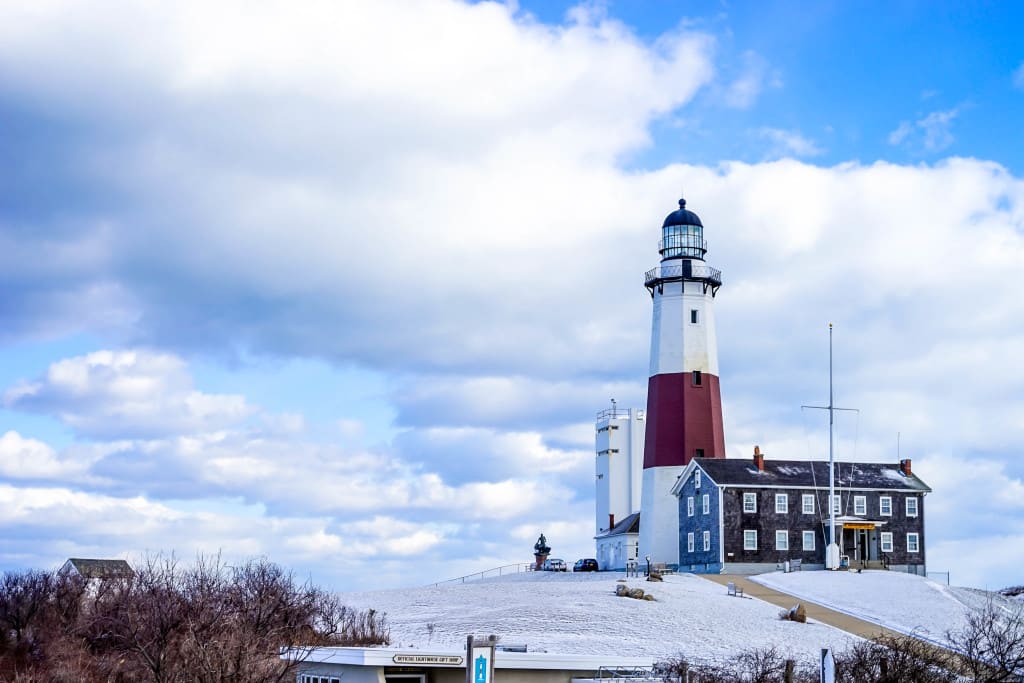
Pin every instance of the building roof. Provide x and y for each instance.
(389, 657)
(629, 525)
(99, 569)
(807, 473)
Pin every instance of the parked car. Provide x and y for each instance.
(553, 565)
(588, 564)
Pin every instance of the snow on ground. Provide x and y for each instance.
(580, 614)
(902, 602)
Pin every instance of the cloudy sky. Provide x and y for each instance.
(345, 283)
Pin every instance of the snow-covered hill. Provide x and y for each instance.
(902, 602)
(580, 614)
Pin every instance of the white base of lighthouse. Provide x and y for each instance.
(659, 515)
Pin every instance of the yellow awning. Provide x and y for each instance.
(858, 525)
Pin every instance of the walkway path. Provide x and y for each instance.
(815, 612)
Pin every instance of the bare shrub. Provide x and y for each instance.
(991, 644)
(171, 624)
(758, 665)
(892, 659)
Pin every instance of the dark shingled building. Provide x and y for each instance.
(750, 516)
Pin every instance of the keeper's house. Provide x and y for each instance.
(750, 516)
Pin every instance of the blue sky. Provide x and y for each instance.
(344, 285)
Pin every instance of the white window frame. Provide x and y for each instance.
(750, 539)
(837, 504)
(782, 539)
(807, 498)
(885, 541)
(707, 541)
(705, 501)
(913, 535)
(696, 479)
(860, 505)
(689, 506)
(883, 503)
(808, 535)
(689, 542)
(782, 498)
(752, 499)
(912, 499)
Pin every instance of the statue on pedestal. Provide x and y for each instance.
(541, 550)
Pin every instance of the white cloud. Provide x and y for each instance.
(756, 74)
(22, 458)
(126, 393)
(931, 133)
(788, 143)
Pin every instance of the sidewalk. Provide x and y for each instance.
(815, 612)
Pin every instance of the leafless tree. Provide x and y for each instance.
(991, 642)
(169, 624)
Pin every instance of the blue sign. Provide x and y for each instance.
(480, 670)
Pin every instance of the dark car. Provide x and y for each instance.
(586, 565)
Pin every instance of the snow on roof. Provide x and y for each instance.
(579, 614)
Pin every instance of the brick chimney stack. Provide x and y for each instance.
(905, 467)
(759, 459)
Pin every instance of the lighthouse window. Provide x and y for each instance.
(694, 316)
(696, 378)
(698, 453)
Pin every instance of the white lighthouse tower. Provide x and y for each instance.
(684, 404)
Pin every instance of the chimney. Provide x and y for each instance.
(611, 520)
(759, 459)
(905, 467)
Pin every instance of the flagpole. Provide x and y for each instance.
(831, 461)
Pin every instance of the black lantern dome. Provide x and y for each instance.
(682, 235)
(682, 216)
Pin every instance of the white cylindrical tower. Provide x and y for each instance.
(618, 447)
(684, 404)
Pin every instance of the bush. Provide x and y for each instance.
(167, 623)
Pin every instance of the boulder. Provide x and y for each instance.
(797, 613)
(654, 576)
(621, 590)
(636, 593)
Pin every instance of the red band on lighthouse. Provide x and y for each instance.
(684, 420)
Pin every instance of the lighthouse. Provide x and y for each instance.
(684, 403)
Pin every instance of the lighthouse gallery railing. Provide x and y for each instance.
(697, 272)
